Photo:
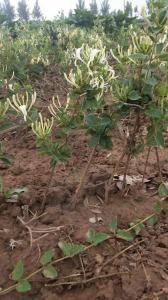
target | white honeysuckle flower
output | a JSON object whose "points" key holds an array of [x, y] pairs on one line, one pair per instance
{"points": [[103, 60], [78, 53], [22, 104], [23, 110], [93, 54], [112, 72]]}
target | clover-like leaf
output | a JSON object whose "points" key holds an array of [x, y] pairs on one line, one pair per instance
{"points": [[23, 286], [152, 220], [71, 249], [96, 238], [18, 271], [157, 207], [125, 235], [47, 257], [163, 190], [113, 225], [50, 272], [137, 227]]}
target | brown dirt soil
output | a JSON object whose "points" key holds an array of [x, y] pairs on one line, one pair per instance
{"points": [[139, 273]]}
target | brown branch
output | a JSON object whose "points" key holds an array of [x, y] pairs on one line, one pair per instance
{"points": [[87, 280], [122, 252], [80, 188]]}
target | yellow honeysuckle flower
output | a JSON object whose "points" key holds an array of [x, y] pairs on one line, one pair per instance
{"points": [[22, 104], [3, 108], [43, 127], [55, 107]]}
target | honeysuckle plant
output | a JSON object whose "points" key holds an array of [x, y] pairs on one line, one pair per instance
{"points": [[142, 79], [90, 79], [55, 148]]}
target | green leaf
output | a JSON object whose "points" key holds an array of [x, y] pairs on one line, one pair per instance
{"points": [[50, 272], [154, 112], [138, 56], [134, 95], [162, 90], [6, 126], [155, 137], [18, 271], [47, 257], [152, 81], [12, 192], [138, 227], [157, 207], [159, 48], [113, 225], [90, 120], [125, 235], [152, 220], [163, 190], [105, 142], [94, 141], [163, 57], [96, 238], [71, 249], [106, 121], [23, 286]]}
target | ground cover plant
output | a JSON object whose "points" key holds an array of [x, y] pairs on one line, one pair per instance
{"points": [[83, 120]]}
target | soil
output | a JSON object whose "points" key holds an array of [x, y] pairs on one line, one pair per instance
{"points": [[137, 273]]}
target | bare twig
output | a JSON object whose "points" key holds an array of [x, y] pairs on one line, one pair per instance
{"points": [[122, 252], [108, 184], [158, 164], [79, 191], [146, 163], [130, 144], [29, 230], [83, 268], [87, 280]]}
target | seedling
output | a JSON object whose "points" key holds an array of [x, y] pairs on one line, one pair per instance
{"points": [[70, 250]]}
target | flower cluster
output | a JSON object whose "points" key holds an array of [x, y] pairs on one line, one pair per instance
{"points": [[42, 128], [92, 71], [22, 104]]}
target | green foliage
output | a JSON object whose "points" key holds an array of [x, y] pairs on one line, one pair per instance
{"points": [[113, 225], [17, 273], [152, 220], [23, 285], [96, 238], [50, 272], [12, 194], [105, 7], [47, 257], [163, 190], [125, 235], [46, 261], [23, 10], [69, 249], [158, 207], [82, 18]]}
